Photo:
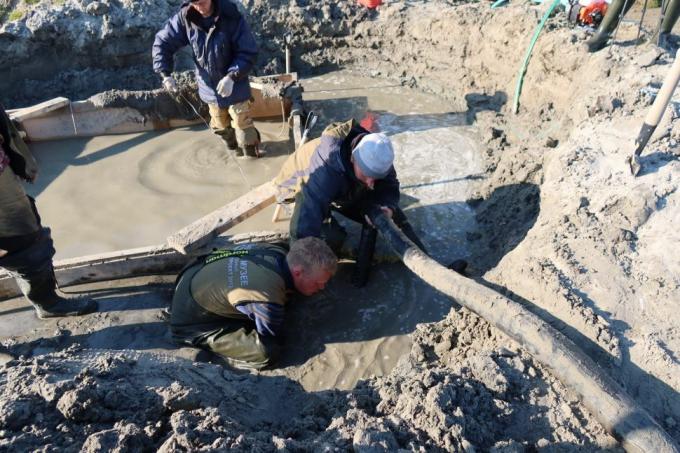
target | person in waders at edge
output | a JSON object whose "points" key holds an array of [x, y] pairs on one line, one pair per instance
{"points": [[618, 8], [224, 51], [26, 247], [232, 301], [348, 170]]}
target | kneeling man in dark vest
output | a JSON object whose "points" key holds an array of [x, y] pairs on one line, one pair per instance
{"points": [[232, 301]]}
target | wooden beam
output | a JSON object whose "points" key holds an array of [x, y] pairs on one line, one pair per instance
{"points": [[152, 260], [39, 109], [84, 119], [207, 228]]}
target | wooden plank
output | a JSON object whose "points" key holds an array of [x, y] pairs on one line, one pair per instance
{"points": [[84, 119], [205, 229], [152, 260], [41, 109], [263, 107], [107, 266]]}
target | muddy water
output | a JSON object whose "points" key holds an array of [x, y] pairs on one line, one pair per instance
{"points": [[121, 191], [109, 193], [346, 334]]}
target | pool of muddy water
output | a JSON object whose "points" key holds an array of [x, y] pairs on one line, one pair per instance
{"points": [[108, 193]]}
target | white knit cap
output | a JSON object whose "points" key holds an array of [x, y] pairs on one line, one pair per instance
{"points": [[374, 155]]}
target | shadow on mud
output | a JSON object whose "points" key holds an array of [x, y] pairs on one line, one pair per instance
{"points": [[651, 163], [504, 219]]}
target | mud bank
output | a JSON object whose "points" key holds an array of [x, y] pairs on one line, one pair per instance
{"points": [[456, 390], [562, 227]]}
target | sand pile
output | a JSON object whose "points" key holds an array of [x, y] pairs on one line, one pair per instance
{"points": [[457, 390]]}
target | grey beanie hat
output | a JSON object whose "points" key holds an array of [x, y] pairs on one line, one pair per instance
{"points": [[374, 155]]}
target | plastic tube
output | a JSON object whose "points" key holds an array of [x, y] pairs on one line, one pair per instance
{"points": [[523, 69]]}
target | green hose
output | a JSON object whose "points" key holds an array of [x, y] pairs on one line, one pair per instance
{"points": [[523, 70]]}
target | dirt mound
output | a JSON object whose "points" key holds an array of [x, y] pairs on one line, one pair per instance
{"points": [[456, 390]]}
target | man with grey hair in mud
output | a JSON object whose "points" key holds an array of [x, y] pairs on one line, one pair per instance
{"points": [[26, 248], [232, 301], [224, 51]]}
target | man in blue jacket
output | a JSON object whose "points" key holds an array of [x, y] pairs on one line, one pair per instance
{"points": [[348, 170], [224, 51]]}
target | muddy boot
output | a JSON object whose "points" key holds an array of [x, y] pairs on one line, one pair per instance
{"points": [[249, 139], [250, 152], [32, 268], [597, 42], [459, 266], [362, 268], [39, 287], [229, 137]]}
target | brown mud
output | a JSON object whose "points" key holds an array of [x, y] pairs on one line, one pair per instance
{"points": [[560, 226]]}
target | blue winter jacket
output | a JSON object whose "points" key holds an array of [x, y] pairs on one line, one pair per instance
{"points": [[332, 182], [227, 46]]}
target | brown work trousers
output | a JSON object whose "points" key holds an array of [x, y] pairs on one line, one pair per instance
{"points": [[236, 116]]}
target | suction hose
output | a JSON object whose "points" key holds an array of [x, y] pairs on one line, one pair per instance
{"points": [[611, 405]]}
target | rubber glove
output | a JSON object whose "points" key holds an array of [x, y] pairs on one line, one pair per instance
{"points": [[226, 85], [170, 84]]}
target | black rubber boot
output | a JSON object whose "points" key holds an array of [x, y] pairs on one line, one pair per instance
{"points": [[362, 268], [33, 271], [616, 10], [250, 152], [39, 287]]}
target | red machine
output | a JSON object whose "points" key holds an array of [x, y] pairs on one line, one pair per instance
{"points": [[590, 13]]}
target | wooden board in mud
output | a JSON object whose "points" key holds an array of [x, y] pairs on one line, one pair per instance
{"points": [[60, 118], [152, 260], [202, 231]]}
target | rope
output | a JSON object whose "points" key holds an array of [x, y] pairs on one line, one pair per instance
{"points": [[233, 156]]}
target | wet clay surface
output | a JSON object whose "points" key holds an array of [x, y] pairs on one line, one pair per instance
{"points": [[123, 191], [562, 228], [342, 335]]}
